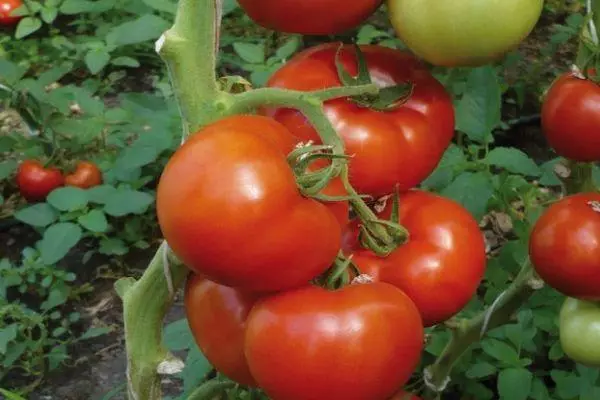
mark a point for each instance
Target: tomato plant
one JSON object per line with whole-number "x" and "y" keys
{"x": 326, "y": 339}
{"x": 35, "y": 181}
{"x": 244, "y": 197}
{"x": 565, "y": 246}
{"x": 85, "y": 176}
{"x": 314, "y": 17}
{"x": 579, "y": 325}
{"x": 570, "y": 118}
{"x": 463, "y": 32}
{"x": 6, "y": 9}
{"x": 401, "y": 146}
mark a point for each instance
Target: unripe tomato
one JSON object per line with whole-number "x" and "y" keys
{"x": 35, "y": 181}
{"x": 455, "y": 33}
{"x": 571, "y": 117}
{"x": 565, "y": 246}
{"x": 579, "y": 330}
{"x": 361, "y": 342}
{"x": 229, "y": 207}
{"x": 6, "y": 9}
{"x": 217, "y": 318}
{"x": 309, "y": 17}
{"x": 85, "y": 176}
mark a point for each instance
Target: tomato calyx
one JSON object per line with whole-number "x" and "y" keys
{"x": 388, "y": 98}
{"x": 369, "y": 238}
{"x": 595, "y": 205}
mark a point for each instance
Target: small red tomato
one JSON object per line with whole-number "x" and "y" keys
{"x": 85, "y": 176}
{"x": 361, "y": 342}
{"x": 35, "y": 181}
{"x": 6, "y": 9}
{"x": 217, "y": 318}
{"x": 571, "y": 117}
{"x": 565, "y": 246}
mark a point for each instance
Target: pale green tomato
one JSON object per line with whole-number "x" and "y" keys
{"x": 579, "y": 330}
{"x": 454, "y": 33}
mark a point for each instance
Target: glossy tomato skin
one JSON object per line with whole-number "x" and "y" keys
{"x": 564, "y": 246}
{"x": 571, "y": 116}
{"x": 85, "y": 176}
{"x": 399, "y": 147}
{"x": 6, "y": 9}
{"x": 579, "y": 330}
{"x": 217, "y": 318}
{"x": 35, "y": 181}
{"x": 361, "y": 342}
{"x": 463, "y": 32}
{"x": 443, "y": 262}
{"x": 229, "y": 207}
{"x": 309, "y": 17}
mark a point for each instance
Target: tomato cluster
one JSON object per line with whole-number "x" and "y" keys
{"x": 6, "y": 9}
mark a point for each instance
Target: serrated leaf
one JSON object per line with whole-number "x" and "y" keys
{"x": 127, "y": 201}
{"x": 68, "y": 198}
{"x": 514, "y": 384}
{"x": 513, "y": 160}
{"x": 39, "y": 215}
{"x": 96, "y": 60}
{"x": 250, "y": 52}
{"x": 27, "y": 26}
{"x": 472, "y": 190}
{"x": 58, "y": 240}
{"x": 94, "y": 221}
{"x": 145, "y": 28}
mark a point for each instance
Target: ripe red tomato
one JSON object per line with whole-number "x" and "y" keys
{"x": 217, "y": 318}
{"x": 571, "y": 117}
{"x": 402, "y": 395}
{"x": 398, "y": 147}
{"x": 565, "y": 246}
{"x": 229, "y": 207}
{"x": 361, "y": 342}
{"x": 442, "y": 264}
{"x": 85, "y": 176}
{"x": 6, "y": 9}
{"x": 309, "y": 17}
{"x": 35, "y": 181}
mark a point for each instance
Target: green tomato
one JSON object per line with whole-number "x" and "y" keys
{"x": 467, "y": 33}
{"x": 579, "y": 329}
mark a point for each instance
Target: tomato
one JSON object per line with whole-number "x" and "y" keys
{"x": 463, "y": 32}
{"x": 217, "y": 318}
{"x": 361, "y": 342}
{"x": 309, "y": 17}
{"x": 6, "y": 9}
{"x": 579, "y": 330}
{"x": 397, "y": 147}
{"x": 86, "y": 175}
{"x": 35, "y": 181}
{"x": 402, "y": 395}
{"x": 445, "y": 256}
{"x": 571, "y": 116}
{"x": 565, "y": 246}
{"x": 229, "y": 207}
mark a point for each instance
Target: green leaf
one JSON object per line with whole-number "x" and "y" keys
{"x": 514, "y": 384}
{"x": 168, "y": 6}
{"x": 39, "y": 215}
{"x": 125, "y": 62}
{"x": 479, "y": 110}
{"x": 68, "y": 198}
{"x": 250, "y": 52}
{"x": 27, "y": 26}
{"x": 443, "y": 175}
{"x": 11, "y": 73}
{"x": 57, "y": 355}
{"x": 472, "y": 190}
{"x": 58, "y": 240}
{"x": 49, "y": 14}
{"x": 288, "y": 48}
{"x": 145, "y": 28}
{"x": 96, "y": 60}
{"x": 94, "y": 221}
{"x": 127, "y": 201}
{"x": 71, "y": 7}
{"x": 101, "y": 193}
{"x": 10, "y": 395}
{"x": 513, "y": 160}
{"x": 113, "y": 246}
{"x": 136, "y": 156}
{"x": 57, "y": 296}
{"x": 196, "y": 368}
{"x": 95, "y": 332}
{"x": 83, "y": 130}
{"x": 7, "y": 335}
{"x": 7, "y": 168}
{"x": 13, "y": 353}
{"x": 480, "y": 370}
{"x": 500, "y": 351}
{"x": 178, "y": 336}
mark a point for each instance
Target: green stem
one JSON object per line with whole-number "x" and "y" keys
{"x": 581, "y": 178}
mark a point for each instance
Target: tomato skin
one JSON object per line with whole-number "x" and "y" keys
{"x": 570, "y": 118}
{"x": 402, "y": 146}
{"x": 85, "y": 176}
{"x": 229, "y": 207}
{"x": 445, "y": 255}
{"x": 564, "y": 246}
{"x": 312, "y": 344}
{"x": 6, "y": 8}
{"x": 217, "y": 318}
{"x": 35, "y": 181}
{"x": 309, "y": 17}
{"x": 464, "y": 33}
{"x": 579, "y": 330}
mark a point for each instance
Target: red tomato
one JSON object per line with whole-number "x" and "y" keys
{"x": 310, "y": 17}
{"x": 565, "y": 246}
{"x": 36, "y": 182}
{"x": 229, "y": 207}
{"x": 6, "y": 9}
{"x": 398, "y": 147}
{"x": 217, "y": 317}
{"x": 571, "y": 117}
{"x": 361, "y": 342}
{"x": 402, "y": 395}
{"x": 86, "y": 175}
{"x": 442, "y": 264}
